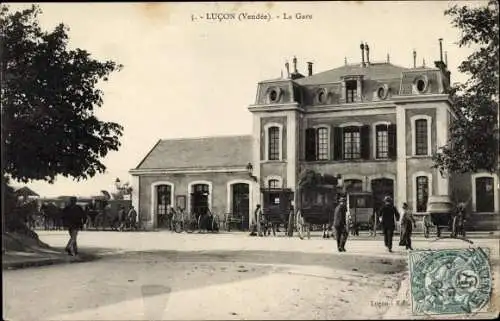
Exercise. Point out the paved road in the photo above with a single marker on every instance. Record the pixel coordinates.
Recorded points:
(160, 275)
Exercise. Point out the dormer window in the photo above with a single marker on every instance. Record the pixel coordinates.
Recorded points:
(351, 90)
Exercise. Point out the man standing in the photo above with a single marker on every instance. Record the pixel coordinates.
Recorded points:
(73, 217)
(257, 215)
(340, 224)
(388, 215)
(132, 218)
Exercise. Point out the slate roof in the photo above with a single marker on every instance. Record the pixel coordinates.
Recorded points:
(373, 71)
(203, 152)
(26, 191)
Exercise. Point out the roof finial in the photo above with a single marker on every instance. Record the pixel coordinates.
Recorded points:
(362, 47)
(345, 61)
(414, 59)
(388, 58)
(294, 64)
(287, 66)
(423, 62)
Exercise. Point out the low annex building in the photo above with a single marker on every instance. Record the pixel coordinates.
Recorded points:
(374, 123)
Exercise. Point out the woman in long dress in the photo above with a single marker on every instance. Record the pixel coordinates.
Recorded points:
(407, 224)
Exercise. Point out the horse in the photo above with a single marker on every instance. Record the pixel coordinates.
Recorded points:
(52, 217)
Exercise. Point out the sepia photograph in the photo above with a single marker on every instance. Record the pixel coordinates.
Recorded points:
(264, 160)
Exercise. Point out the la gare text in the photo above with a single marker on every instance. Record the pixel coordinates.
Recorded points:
(242, 16)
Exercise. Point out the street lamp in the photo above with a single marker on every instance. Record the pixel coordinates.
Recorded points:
(250, 171)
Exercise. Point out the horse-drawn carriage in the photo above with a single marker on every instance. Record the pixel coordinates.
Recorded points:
(318, 196)
(103, 213)
(441, 215)
(276, 210)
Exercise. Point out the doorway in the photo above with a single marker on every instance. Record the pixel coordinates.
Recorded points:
(199, 199)
(241, 202)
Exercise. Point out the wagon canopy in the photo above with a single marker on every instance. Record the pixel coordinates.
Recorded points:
(309, 178)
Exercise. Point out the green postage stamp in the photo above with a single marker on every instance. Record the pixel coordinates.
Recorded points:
(457, 281)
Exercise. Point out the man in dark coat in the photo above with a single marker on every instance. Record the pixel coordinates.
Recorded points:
(73, 217)
(340, 224)
(387, 214)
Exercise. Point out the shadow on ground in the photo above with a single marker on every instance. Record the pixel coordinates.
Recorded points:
(119, 277)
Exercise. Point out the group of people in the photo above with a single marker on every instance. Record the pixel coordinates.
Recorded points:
(388, 216)
(127, 220)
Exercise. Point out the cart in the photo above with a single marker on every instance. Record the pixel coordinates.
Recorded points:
(360, 206)
(318, 195)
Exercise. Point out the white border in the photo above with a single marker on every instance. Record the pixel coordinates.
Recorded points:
(413, 119)
(210, 194)
(495, 189)
(266, 135)
(154, 200)
(229, 190)
(414, 188)
(328, 131)
(374, 138)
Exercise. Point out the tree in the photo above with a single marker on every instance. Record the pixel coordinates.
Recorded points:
(49, 95)
(474, 142)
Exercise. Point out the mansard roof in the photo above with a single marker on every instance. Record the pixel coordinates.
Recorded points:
(372, 71)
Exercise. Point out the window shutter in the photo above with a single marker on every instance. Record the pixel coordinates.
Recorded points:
(310, 144)
(365, 142)
(391, 133)
(337, 143)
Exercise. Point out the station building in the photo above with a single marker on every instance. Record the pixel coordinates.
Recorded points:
(374, 123)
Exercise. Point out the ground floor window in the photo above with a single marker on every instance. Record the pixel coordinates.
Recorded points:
(199, 199)
(485, 194)
(422, 193)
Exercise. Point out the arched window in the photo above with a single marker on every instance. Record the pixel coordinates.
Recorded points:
(273, 141)
(273, 183)
(353, 185)
(421, 135)
(163, 198)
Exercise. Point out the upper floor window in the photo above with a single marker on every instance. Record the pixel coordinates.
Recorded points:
(351, 142)
(351, 91)
(421, 135)
(317, 143)
(382, 136)
(385, 141)
(274, 143)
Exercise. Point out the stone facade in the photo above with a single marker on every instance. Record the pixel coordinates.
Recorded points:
(375, 124)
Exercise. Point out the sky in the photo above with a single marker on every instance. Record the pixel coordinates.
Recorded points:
(185, 78)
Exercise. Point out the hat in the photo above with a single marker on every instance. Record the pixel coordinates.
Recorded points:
(387, 199)
(405, 205)
(342, 199)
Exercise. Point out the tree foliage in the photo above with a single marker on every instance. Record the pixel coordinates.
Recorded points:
(474, 141)
(49, 95)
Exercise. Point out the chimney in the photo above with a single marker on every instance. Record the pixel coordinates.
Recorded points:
(367, 53)
(446, 58)
(309, 68)
(287, 66)
(440, 49)
(294, 64)
(362, 47)
(414, 59)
